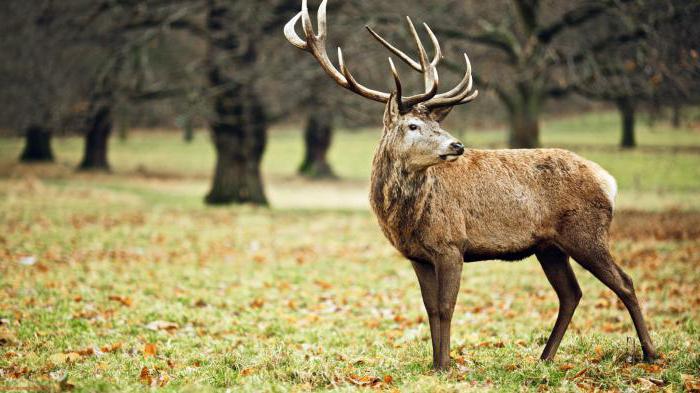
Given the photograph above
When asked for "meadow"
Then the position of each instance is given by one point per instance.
(125, 281)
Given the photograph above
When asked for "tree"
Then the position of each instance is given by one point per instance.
(318, 135)
(39, 76)
(531, 46)
(654, 69)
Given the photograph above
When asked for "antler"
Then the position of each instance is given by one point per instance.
(316, 45)
(460, 94)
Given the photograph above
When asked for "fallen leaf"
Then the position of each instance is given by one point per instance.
(580, 373)
(58, 359)
(162, 325)
(145, 376)
(149, 349)
(200, 303)
(111, 348)
(257, 303)
(691, 383)
(650, 368)
(363, 381)
(323, 284)
(126, 301)
(247, 371)
(566, 367)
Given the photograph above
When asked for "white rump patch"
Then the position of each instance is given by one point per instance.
(607, 182)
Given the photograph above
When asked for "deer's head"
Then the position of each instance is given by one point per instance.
(411, 123)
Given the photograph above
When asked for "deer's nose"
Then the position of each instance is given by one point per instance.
(458, 147)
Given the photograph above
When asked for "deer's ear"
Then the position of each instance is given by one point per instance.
(391, 111)
(439, 114)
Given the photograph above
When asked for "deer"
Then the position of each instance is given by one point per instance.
(441, 204)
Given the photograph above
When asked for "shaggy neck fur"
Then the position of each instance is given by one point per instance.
(400, 197)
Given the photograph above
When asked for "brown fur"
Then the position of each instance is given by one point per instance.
(492, 204)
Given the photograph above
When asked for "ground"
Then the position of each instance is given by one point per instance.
(110, 282)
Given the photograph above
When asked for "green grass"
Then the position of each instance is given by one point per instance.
(308, 295)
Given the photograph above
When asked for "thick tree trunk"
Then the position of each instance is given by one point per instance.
(524, 128)
(239, 135)
(317, 140)
(37, 146)
(626, 108)
(239, 125)
(98, 129)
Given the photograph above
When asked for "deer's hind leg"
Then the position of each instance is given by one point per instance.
(593, 254)
(555, 264)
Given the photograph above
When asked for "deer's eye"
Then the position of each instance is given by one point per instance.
(412, 127)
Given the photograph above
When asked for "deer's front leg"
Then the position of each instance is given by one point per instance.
(427, 280)
(449, 271)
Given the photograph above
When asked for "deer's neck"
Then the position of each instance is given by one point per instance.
(399, 196)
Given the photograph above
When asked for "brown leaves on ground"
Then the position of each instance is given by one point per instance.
(170, 327)
(73, 356)
(369, 381)
(669, 225)
(149, 349)
(154, 378)
(125, 301)
(691, 383)
(566, 367)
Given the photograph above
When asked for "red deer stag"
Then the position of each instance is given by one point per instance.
(441, 205)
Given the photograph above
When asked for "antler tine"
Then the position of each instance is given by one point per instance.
(406, 58)
(438, 52)
(403, 56)
(461, 94)
(322, 20)
(292, 36)
(465, 83)
(306, 20)
(316, 45)
(422, 55)
(397, 81)
(354, 86)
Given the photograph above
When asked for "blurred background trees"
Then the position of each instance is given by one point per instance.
(86, 67)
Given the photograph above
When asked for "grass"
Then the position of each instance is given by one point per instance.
(115, 282)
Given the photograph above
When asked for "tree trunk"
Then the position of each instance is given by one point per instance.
(626, 107)
(98, 129)
(239, 135)
(524, 128)
(239, 124)
(37, 147)
(317, 140)
(676, 116)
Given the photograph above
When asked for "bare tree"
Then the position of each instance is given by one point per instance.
(39, 75)
(655, 69)
(532, 47)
